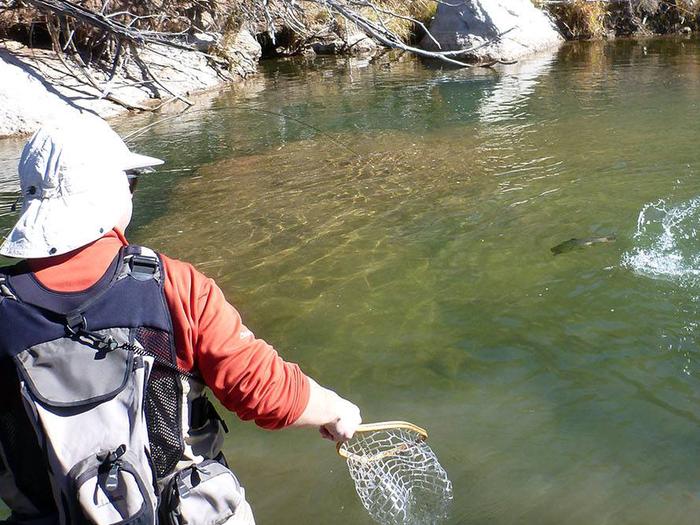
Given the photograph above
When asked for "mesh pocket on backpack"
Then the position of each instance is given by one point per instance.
(163, 404)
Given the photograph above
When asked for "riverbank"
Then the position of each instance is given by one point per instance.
(605, 19)
(61, 58)
(40, 85)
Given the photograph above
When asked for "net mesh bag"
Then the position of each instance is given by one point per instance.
(397, 476)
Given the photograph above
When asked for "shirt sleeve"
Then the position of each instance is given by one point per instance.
(245, 373)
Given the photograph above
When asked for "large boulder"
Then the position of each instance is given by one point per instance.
(243, 52)
(495, 29)
(32, 92)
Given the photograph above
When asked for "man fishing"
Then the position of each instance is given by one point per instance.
(106, 349)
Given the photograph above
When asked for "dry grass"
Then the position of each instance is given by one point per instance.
(591, 19)
(580, 18)
(420, 10)
(689, 7)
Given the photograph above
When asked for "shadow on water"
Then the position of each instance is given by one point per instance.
(415, 274)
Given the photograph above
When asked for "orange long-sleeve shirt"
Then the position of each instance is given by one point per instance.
(244, 373)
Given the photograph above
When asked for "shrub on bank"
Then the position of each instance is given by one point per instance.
(579, 18)
(223, 18)
(591, 19)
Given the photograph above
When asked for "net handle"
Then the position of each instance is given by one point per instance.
(384, 425)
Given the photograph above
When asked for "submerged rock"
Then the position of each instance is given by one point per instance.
(327, 47)
(494, 29)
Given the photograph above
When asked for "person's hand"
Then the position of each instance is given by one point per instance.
(344, 425)
(336, 418)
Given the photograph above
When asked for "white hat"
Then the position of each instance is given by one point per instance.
(74, 189)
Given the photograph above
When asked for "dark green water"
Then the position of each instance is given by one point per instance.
(410, 269)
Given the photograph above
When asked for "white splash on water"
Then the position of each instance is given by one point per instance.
(667, 242)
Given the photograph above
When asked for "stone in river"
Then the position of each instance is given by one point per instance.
(498, 29)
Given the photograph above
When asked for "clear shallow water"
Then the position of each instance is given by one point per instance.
(403, 257)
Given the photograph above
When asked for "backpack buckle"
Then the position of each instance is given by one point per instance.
(5, 289)
(75, 322)
(143, 267)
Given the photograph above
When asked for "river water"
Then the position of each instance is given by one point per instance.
(388, 226)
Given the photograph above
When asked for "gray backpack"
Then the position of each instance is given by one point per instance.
(96, 391)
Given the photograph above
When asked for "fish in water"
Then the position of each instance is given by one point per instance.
(573, 244)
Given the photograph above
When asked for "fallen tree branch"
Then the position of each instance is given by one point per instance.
(144, 67)
(388, 38)
(54, 34)
(380, 32)
(103, 22)
(399, 16)
(288, 11)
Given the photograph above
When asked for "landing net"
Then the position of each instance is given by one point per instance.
(397, 476)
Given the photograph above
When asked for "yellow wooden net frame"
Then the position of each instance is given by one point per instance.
(397, 475)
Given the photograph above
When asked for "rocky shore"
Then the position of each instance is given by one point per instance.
(40, 85)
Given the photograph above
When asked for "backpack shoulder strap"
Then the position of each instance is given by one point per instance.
(141, 263)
